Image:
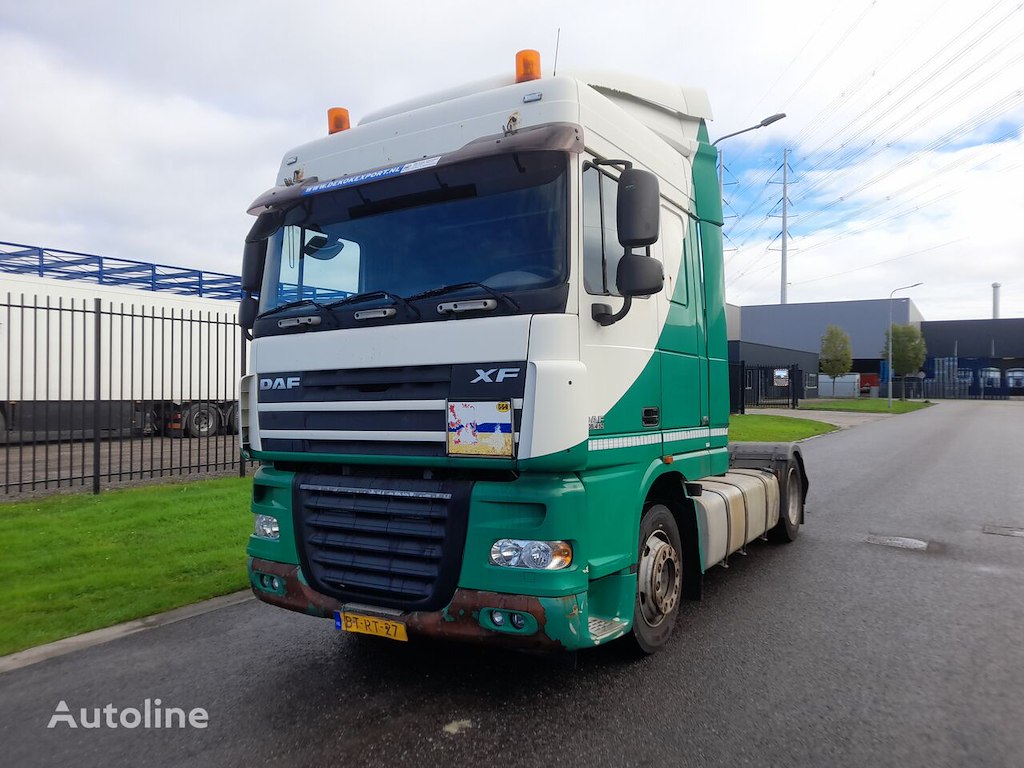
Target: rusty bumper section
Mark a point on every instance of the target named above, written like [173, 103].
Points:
[558, 618]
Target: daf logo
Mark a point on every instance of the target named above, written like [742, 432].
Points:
[280, 383]
[485, 377]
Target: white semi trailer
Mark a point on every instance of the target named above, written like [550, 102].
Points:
[76, 357]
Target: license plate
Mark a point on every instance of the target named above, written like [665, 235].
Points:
[370, 625]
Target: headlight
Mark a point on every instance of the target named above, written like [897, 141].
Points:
[539, 555]
[266, 527]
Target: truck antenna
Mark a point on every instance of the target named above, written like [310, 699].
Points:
[558, 37]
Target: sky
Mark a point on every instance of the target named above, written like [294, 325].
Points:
[144, 130]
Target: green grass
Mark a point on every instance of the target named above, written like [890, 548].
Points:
[863, 405]
[75, 563]
[770, 429]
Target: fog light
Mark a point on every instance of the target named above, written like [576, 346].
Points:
[518, 620]
[265, 527]
[498, 617]
[275, 584]
[539, 555]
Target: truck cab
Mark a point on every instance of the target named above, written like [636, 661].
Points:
[489, 368]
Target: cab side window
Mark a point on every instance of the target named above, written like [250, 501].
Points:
[601, 249]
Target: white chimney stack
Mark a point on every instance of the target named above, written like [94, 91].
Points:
[995, 300]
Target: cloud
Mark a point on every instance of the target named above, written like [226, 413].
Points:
[144, 131]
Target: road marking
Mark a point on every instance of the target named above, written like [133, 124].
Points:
[1003, 530]
[900, 542]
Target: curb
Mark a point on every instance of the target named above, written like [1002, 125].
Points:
[99, 636]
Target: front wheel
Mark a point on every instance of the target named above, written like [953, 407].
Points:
[659, 579]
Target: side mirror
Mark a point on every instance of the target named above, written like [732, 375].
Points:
[247, 310]
[636, 275]
[266, 224]
[253, 259]
[639, 275]
[638, 208]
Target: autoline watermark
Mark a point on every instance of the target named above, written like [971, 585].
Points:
[149, 716]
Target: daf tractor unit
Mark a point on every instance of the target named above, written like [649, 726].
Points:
[488, 385]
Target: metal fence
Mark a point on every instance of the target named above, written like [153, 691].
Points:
[764, 386]
[95, 393]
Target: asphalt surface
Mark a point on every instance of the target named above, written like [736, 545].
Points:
[830, 651]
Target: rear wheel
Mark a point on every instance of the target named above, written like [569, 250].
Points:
[233, 419]
[201, 420]
[791, 506]
[659, 579]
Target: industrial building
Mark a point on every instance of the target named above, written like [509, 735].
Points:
[966, 358]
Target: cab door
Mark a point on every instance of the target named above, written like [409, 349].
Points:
[623, 367]
[684, 369]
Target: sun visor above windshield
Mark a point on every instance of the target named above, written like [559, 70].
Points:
[565, 137]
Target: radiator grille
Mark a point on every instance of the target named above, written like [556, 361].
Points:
[393, 543]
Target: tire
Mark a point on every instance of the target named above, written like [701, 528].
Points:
[659, 579]
[233, 419]
[201, 420]
[791, 506]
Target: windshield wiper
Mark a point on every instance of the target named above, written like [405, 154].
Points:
[358, 297]
[321, 308]
[461, 286]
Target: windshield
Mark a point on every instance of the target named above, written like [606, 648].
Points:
[498, 221]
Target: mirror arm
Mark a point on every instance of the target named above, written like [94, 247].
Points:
[602, 313]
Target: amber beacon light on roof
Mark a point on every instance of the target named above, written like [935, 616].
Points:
[527, 65]
[338, 120]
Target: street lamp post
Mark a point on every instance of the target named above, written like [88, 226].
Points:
[721, 183]
[767, 121]
[888, 372]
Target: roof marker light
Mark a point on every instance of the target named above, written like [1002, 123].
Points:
[337, 120]
[527, 65]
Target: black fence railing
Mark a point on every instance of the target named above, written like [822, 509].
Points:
[764, 386]
[95, 393]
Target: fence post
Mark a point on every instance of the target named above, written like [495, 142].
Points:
[793, 394]
[96, 380]
[238, 409]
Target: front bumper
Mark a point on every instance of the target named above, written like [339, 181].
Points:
[555, 623]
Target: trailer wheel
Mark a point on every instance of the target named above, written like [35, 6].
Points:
[201, 420]
[233, 419]
[791, 506]
[659, 579]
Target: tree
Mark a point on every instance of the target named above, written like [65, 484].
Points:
[836, 355]
[908, 352]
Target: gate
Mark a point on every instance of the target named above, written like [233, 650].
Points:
[766, 386]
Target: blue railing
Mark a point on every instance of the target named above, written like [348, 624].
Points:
[16, 258]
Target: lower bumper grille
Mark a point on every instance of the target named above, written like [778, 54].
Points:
[387, 542]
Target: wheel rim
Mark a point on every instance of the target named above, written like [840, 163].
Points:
[793, 499]
[659, 579]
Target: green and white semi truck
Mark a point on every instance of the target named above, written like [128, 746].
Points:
[488, 385]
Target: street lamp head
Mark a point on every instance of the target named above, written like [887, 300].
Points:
[767, 121]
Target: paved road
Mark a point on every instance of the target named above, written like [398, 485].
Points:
[827, 652]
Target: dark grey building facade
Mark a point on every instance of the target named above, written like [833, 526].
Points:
[966, 358]
[801, 326]
[974, 358]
